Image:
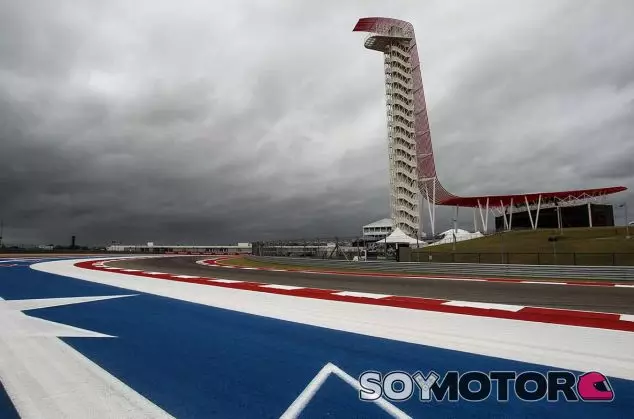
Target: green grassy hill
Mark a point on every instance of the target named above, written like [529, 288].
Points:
[581, 246]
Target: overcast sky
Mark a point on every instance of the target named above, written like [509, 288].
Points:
[216, 122]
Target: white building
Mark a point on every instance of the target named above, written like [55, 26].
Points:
[401, 134]
[378, 230]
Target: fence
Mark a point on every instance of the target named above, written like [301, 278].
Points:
[571, 259]
[467, 269]
[346, 248]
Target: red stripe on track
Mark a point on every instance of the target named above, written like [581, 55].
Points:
[532, 314]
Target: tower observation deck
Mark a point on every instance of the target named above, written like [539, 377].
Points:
[411, 156]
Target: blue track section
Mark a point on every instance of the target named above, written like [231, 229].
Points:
[196, 361]
[7, 410]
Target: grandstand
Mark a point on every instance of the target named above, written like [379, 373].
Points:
[412, 167]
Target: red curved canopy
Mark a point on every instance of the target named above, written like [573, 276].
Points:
[532, 198]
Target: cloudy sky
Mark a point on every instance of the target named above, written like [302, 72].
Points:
[199, 121]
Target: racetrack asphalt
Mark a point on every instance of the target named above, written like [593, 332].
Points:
[587, 298]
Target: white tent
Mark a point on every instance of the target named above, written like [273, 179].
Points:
[398, 236]
[461, 235]
[458, 232]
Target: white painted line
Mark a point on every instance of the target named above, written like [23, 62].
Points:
[132, 270]
[627, 317]
[249, 269]
[206, 263]
[624, 285]
[34, 304]
[282, 287]
[226, 281]
[112, 268]
[45, 377]
[298, 405]
[278, 270]
[543, 283]
[361, 294]
[487, 306]
[185, 276]
[155, 273]
[442, 278]
[464, 279]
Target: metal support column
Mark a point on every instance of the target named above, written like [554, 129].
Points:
[506, 224]
[539, 204]
[590, 215]
[530, 214]
[511, 215]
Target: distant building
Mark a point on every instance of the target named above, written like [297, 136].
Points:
[181, 249]
[378, 230]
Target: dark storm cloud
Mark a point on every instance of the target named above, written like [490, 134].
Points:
[189, 122]
[544, 109]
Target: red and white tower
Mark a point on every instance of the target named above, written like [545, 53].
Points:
[412, 167]
[395, 40]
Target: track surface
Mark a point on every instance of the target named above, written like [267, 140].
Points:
[78, 343]
[602, 299]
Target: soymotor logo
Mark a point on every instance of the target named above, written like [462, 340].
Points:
[475, 386]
